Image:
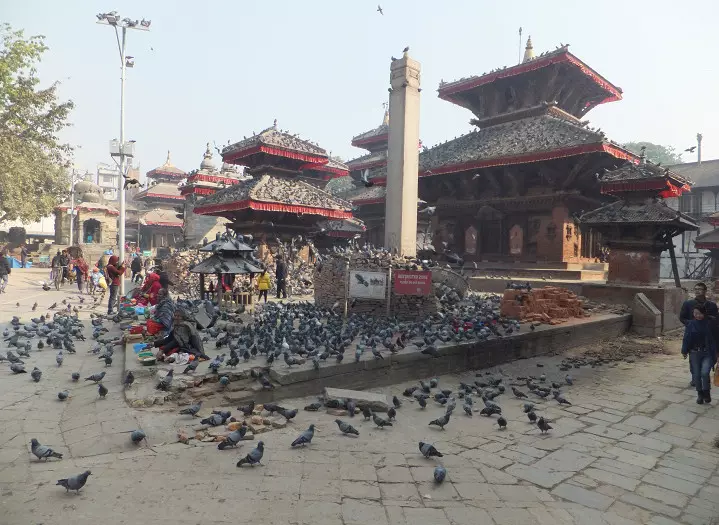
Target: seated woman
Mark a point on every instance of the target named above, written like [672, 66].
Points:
[148, 292]
[164, 310]
[183, 337]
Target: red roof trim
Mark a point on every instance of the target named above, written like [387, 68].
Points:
[384, 137]
[159, 196]
[190, 190]
[706, 245]
[337, 172]
[663, 186]
[233, 156]
[367, 165]
[336, 233]
[449, 90]
[211, 178]
[714, 221]
[271, 206]
[534, 157]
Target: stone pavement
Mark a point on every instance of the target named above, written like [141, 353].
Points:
[633, 448]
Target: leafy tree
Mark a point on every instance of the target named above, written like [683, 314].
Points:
[33, 161]
[667, 155]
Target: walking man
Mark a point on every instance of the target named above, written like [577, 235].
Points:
[281, 276]
[710, 312]
[23, 255]
[115, 271]
[4, 271]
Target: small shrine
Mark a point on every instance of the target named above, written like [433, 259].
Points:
[231, 256]
[95, 218]
[636, 229]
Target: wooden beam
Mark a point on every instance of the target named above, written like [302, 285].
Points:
[574, 172]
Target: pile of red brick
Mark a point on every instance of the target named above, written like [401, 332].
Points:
[549, 305]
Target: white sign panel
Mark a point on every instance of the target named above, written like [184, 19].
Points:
[368, 285]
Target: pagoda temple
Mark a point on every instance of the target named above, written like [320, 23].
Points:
[277, 202]
[710, 241]
[159, 226]
[201, 183]
[639, 226]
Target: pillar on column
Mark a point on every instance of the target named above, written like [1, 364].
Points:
[400, 234]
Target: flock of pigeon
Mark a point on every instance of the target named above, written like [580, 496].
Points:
[58, 332]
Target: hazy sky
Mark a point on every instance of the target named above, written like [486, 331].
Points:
[219, 70]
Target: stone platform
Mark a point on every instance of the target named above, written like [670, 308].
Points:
[410, 363]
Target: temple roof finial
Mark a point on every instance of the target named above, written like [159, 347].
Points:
[274, 124]
[385, 119]
[529, 50]
[207, 163]
[168, 162]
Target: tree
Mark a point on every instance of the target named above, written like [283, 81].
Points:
[33, 161]
[667, 155]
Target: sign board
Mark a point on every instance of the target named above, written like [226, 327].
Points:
[368, 285]
[147, 253]
[412, 282]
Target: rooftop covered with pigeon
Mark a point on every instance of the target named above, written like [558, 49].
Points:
[160, 217]
[269, 193]
[652, 211]
[161, 191]
[167, 171]
[208, 179]
[644, 177]
[374, 138]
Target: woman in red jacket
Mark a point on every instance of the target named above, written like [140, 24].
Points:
[115, 272]
[148, 292]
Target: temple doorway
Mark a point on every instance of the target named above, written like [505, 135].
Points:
[91, 231]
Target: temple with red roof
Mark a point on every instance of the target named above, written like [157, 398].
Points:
[508, 190]
[277, 200]
[158, 224]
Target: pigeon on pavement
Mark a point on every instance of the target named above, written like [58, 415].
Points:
[74, 483]
[43, 452]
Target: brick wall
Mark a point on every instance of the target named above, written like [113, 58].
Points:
[549, 305]
[632, 266]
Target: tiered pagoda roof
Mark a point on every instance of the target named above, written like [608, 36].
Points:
[644, 177]
[374, 139]
[207, 180]
[544, 133]
[162, 191]
[277, 143]
[167, 171]
[655, 211]
[345, 228]
[161, 217]
[375, 162]
[271, 193]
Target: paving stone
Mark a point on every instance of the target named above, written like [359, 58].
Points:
[681, 431]
[647, 442]
[515, 493]
[431, 491]
[516, 456]
[701, 512]
[612, 491]
[651, 405]
[619, 467]
[633, 458]
[681, 474]
[670, 497]
[426, 516]
[691, 519]
[672, 440]
[605, 431]
[581, 479]
[672, 483]
[630, 512]
[582, 496]
[544, 516]
[650, 504]
[394, 474]
[374, 401]
[399, 492]
[486, 458]
[605, 416]
[510, 516]
[629, 429]
[640, 449]
[543, 478]
[611, 478]
[669, 397]
[360, 489]
[529, 451]
[476, 491]
[467, 516]
[564, 461]
[643, 422]
[676, 414]
[706, 424]
[661, 520]
[358, 472]
[356, 512]
[496, 476]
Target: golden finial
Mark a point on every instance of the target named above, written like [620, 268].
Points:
[529, 50]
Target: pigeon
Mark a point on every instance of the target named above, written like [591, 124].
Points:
[137, 435]
[74, 483]
[224, 381]
[36, 374]
[214, 420]
[569, 379]
[43, 452]
[380, 422]
[431, 351]
[528, 407]
[76, 377]
[102, 390]
[351, 407]
[248, 409]
[428, 450]
[34, 306]
[192, 410]
[62, 396]
[366, 412]
[129, 379]
[440, 421]
[191, 367]
[489, 411]
[288, 414]
[17, 368]
[313, 407]
[440, 473]
[422, 402]
[59, 359]
[518, 393]
[380, 11]
[391, 413]
[502, 423]
[305, 437]
[254, 457]
[108, 360]
[543, 425]
[396, 402]
[96, 377]
[560, 399]
[532, 417]
[467, 409]
[166, 381]
[234, 437]
[346, 428]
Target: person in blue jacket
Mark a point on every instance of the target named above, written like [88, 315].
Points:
[699, 346]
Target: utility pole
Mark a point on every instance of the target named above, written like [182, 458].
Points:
[72, 206]
[113, 19]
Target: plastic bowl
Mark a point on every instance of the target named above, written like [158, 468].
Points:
[147, 358]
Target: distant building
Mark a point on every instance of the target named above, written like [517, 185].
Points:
[699, 204]
[108, 178]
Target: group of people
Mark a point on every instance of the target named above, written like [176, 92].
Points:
[264, 283]
[700, 318]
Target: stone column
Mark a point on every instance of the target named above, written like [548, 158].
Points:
[400, 233]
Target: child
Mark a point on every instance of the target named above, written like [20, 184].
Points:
[98, 281]
[700, 347]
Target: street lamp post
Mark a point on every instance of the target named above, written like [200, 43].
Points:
[72, 206]
[113, 19]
